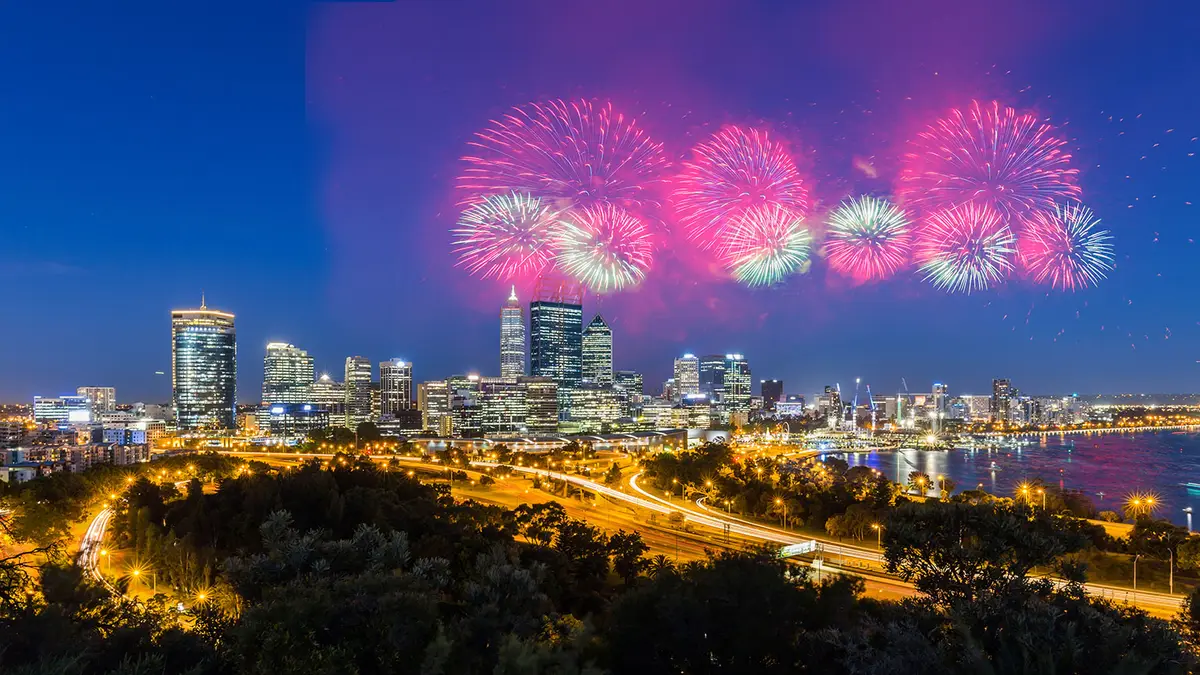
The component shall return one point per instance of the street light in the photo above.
(780, 502)
(1042, 492)
(878, 534)
(104, 554)
(1135, 559)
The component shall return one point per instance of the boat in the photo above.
(1191, 486)
(995, 467)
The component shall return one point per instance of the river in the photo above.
(1105, 467)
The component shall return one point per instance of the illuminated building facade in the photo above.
(737, 385)
(61, 409)
(541, 404)
(712, 377)
(357, 390)
(1001, 405)
(598, 353)
(556, 341)
(203, 368)
(395, 387)
(287, 374)
(433, 398)
(512, 338)
(104, 399)
(687, 375)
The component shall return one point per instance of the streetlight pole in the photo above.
(1135, 559)
(878, 535)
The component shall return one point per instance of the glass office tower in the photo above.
(203, 368)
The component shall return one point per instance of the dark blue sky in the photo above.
(296, 162)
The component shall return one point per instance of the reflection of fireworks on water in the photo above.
(505, 236)
(604, 247)
(765, 245)
(964, 249)
(735, 170)
(869, 239)
(989, 155)
(1065, 248)
(573, 153)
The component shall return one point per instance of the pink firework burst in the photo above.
(965, 248)
(735, 170)
(1066, 248)
(572, 153)
(604, 247)
(868, 239)
(505, 236)
(991, 156)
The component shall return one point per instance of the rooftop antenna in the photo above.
(202, 305)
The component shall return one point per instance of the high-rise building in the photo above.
(632, 383)
(465, 405)
(357, 390)
(738, 387)
(598, 353)
(556, 341)
(104, 399)
(541, 404)
(512, 338)
(287, 374)
(687, 375)
(433, 398)
(940, 411)
(595, 408)
(502, 407)
(1001, 408)
(203, 368)
(712, 376)
(330, 396)
(395, 387)
(771, 392)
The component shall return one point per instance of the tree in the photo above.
(918, 481)
(613, 475)
(1109, 516)
(1188, 555)
(627, 551)
(954, 552)
(367, 432)
(947, 486)
(1156, 538)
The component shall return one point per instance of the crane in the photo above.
(854, 407)
(871, 405)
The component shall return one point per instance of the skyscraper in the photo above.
(433, 398)
(203, 368)
(104, 399)
(687, 375)
(941, 410)
(358, 390)
(330, 396)
(287, 374)
(512, 338)
(737, 390)
(712, 376)
(556, 341)
(597, 352)
(1001, 408)
(541, 404)
(772, 393)
(395, 387)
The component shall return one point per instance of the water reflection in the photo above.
(1105, 467)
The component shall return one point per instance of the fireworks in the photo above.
(505, 236)
(966, 248)
(604, 247)
(990, 156)
(734, 171)
(571, 153)
(1066, 248)
(869, 239)
(765, 245)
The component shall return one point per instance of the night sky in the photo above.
(296, 162)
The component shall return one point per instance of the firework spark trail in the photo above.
(1066, 249)
(965, 248)
(989, 155)
(765, 245)
(574, 153)
(735, 170)
(868, 239)
(604, 247)
(505, 236)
